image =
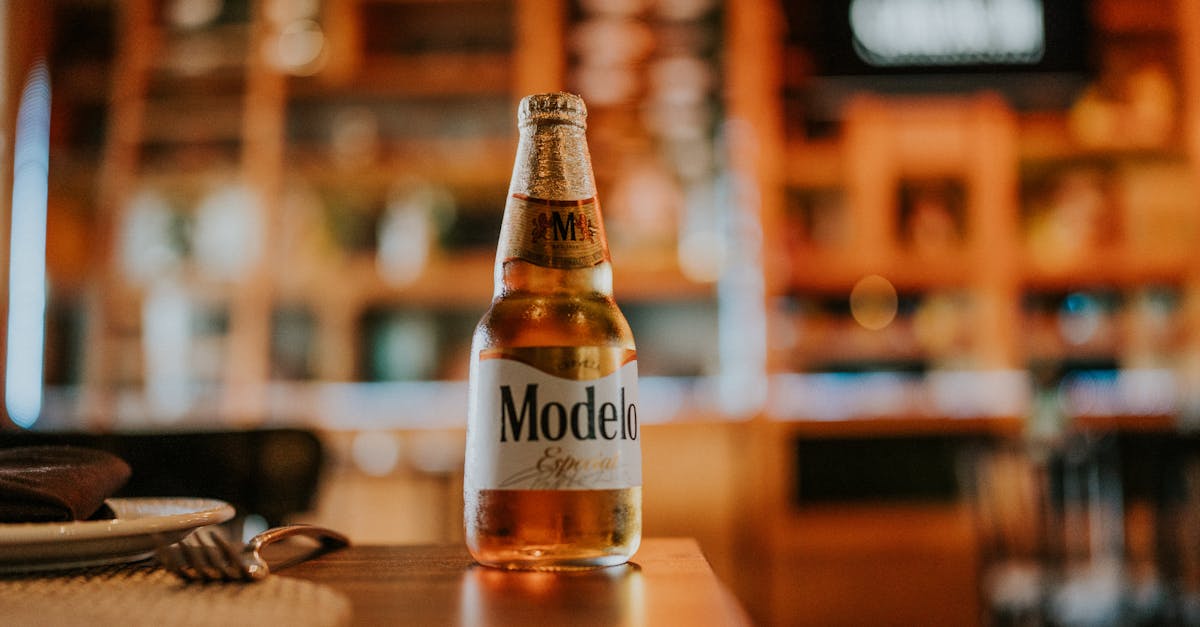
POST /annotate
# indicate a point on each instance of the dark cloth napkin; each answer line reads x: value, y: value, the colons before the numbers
x: 57, y: 483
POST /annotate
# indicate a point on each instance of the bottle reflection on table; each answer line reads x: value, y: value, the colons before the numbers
x: 602, y: 596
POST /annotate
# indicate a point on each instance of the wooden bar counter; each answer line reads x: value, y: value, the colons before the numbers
x: 669, y: 582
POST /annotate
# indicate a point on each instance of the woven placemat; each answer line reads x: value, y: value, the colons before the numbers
x: 143, y: 594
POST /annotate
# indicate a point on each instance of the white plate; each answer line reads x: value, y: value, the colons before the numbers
x: 139, y: 524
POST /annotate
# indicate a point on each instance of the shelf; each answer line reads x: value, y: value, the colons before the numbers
x: 197, y: 120
x: 398, y: 405
x: 814, y: 164
x: 947, y: 400
x: 419, y: 75
x: 829, y: 344
x: 637, y: 281
x: 466, y: 279
x: 85, y: 82
x: 457, y: 162
x: 836, y: 271
x: 1125, y: 16
x: 1047, y: 138
x: 353, y: 283
x: 886, y: 396
x: 1104, y: 268
x: 184, y: 54
x: 1003, y: 426
x: 1152, y: 423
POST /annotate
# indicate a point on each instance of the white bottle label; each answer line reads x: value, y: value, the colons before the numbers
x: 531, y: 430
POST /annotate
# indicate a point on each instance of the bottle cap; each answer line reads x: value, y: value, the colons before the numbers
x: 556, y: 107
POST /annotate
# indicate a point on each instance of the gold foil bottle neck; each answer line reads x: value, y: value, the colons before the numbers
x: 552, y: 161
x: 560, y: 107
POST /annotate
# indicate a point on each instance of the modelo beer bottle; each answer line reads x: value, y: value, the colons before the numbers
x: 553, y: 461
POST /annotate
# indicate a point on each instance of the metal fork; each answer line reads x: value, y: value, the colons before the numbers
x: 207, y: 555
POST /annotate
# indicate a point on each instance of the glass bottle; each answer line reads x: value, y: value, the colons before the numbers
x: 553, y: 460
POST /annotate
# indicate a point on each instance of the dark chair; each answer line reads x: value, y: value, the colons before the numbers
x: 270, y: 473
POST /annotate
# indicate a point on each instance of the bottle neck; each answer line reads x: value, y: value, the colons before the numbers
x: 553, y: 162
x: 552, y: 238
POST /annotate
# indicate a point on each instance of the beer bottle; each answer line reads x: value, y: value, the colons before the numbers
x: 553, y: 462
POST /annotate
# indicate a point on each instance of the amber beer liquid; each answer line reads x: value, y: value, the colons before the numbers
x: 553, y: 463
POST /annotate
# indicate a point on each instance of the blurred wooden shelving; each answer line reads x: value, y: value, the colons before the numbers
x: 226, y: 114
x: 427, y: 74
x: 320, y: 142
x: 1113, y: 267
x: 834, y: 211
x: 837, y: 271
x: 1060, y: 248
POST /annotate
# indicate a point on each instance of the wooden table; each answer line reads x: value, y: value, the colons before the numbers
x: 669, y: 582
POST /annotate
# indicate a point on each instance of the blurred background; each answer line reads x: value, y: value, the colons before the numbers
x: 915, y: 283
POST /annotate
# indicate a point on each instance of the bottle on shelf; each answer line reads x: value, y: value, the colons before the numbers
x: 553, y: 459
